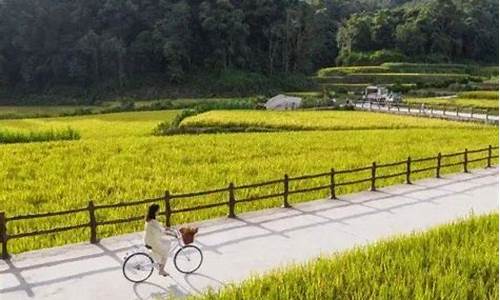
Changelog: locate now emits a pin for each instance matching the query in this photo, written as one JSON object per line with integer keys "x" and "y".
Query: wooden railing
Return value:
{"x": 434, "y": 110}
{"x": 232, "y": 201}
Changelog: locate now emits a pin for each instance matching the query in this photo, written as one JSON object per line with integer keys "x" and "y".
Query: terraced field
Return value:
{"x": 117, "y": 159}
{"x": 405, "y": 75}
{"x": 481, "y": 99}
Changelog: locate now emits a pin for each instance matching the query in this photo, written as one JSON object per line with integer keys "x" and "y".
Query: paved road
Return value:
{"x": 256, "y": 242}
{"x": 428, "y": 112}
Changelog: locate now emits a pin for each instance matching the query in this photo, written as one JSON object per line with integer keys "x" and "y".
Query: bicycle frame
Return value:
{"x": 179, "y": 244}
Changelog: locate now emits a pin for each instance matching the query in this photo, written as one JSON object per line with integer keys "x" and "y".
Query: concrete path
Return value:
{"x": 432, "y": 113}
{"x": 254, "y": 243}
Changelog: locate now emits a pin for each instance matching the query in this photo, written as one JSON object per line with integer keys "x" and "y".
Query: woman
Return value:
{"x": 155, "y": 237}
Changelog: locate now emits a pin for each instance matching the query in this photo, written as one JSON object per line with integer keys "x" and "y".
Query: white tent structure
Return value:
{"x": 283, "y": 102}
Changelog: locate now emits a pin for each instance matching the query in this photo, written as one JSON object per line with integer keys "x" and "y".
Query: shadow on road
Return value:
{"x": 18, "y": 271}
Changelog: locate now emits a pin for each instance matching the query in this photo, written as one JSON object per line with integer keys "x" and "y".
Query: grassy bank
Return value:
{"x": 456, "y": 261}
{"x": 476, "y": 99}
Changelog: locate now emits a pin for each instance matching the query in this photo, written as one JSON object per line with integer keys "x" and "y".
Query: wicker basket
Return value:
{"x": 188, "y": 234}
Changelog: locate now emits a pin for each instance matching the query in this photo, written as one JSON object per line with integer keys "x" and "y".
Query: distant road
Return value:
{"x": 428, "y": 112}
{"x": 254, "y": 243}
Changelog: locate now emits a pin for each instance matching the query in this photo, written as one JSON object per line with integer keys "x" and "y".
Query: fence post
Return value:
{"x": 371, "y": 105}
{"x": 444, "y": 110}
{"x": 332, "y": 184}
{"x": 458, "y": 110}
{"x": 231, "y": 201}
{"x": 489, "y": 156}
{"x": 409, "y": 107}
{"x": 438, "y": 168}
{"x": 408, "y": 170}
{"x": 432, "y": 110}
{"x": 3, "y": 235}
{"x": 285, "y": 192}
{"x": 398, "y": 107}
{"x": 466, "y": 160}
{"x": 487, "y": 113}
{"x": 168, "y": 210}
{"x": 471, "y": 112}
{"x": 374, "y": 176}
{"x": 92, "y": 223}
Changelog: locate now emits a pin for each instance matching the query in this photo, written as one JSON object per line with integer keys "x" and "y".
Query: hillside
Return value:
{"x": 69, "y": 52}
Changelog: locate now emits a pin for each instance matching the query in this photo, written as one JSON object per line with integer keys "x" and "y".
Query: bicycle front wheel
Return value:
{"x": 188, "y": 259}
{"x": 138, "y": 267}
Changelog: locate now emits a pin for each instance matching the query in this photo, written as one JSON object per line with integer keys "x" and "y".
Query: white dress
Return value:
{"x": 155, "y": 237}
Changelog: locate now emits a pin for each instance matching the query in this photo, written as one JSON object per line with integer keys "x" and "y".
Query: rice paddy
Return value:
{"x": 455, "y": 261}
{"x": 479, "y": 99}
{"x": 117, "y": 159}
{"x": 311, "y": 120}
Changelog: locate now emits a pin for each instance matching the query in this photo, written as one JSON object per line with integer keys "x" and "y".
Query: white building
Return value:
{"x": 283, "y": 102}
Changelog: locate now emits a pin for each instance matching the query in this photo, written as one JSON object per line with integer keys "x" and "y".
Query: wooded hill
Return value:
{"x": 91, "y": 47}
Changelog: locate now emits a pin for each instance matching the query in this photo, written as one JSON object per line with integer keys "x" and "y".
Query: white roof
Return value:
{"x": 281, "y": 99}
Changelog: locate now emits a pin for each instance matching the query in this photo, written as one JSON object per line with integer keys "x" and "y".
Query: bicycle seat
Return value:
{"x": 148, "y": 247}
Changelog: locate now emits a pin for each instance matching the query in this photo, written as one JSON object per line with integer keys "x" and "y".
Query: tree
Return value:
{"x": 224, "y": 25}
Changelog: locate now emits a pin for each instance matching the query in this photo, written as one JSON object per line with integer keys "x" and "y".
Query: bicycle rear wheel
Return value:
{"x": 188, "y": 259}
{"x": 138, "y": 267}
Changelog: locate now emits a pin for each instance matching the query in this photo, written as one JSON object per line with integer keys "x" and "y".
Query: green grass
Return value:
{"x": 476, "y": 99}
{"x": 311, "y": 120}
{"x": 11, "y": 111}
{"x": 13, "y": 137}
{"x": 490, "y": 95}
{"x": 455, "y": 261}
{"x": 118, "y": 160}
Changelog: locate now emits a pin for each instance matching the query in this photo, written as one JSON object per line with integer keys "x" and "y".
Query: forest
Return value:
{"x": 95, "y": 45}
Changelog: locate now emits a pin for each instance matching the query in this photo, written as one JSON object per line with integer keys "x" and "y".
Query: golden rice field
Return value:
{"x": 453, "y": 261}
{"x": 314, "y": 120}
{"x": 95, "y": 127}
{"x": 117, "y": 159}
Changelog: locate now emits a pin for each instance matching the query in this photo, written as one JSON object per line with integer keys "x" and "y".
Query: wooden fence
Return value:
{"x": 435, "y": 110}
{"x": 230, "y": 190}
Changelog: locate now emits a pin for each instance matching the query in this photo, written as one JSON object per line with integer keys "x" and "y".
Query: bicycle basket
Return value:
{"x": 188, "y": 234}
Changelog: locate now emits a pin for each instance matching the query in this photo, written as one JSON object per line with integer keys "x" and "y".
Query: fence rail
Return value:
{"x": 433, "y": 110}
{"x": 231, "y": 200}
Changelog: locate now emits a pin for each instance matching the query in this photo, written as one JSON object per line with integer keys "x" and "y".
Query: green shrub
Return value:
{"x": 166, "y": 128}
{"x": 369, "y": 58}
{"x": 340, "y": 71}
{"x": 242, "y": 83}
{"x": 192, "y": 108}
{"x": 425, "y": 80}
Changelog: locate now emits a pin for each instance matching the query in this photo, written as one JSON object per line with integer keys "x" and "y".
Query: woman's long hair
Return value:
{"x": 152, "y": 210}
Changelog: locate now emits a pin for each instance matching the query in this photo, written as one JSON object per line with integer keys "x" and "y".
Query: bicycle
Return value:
{"x": 138, "y": 266}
